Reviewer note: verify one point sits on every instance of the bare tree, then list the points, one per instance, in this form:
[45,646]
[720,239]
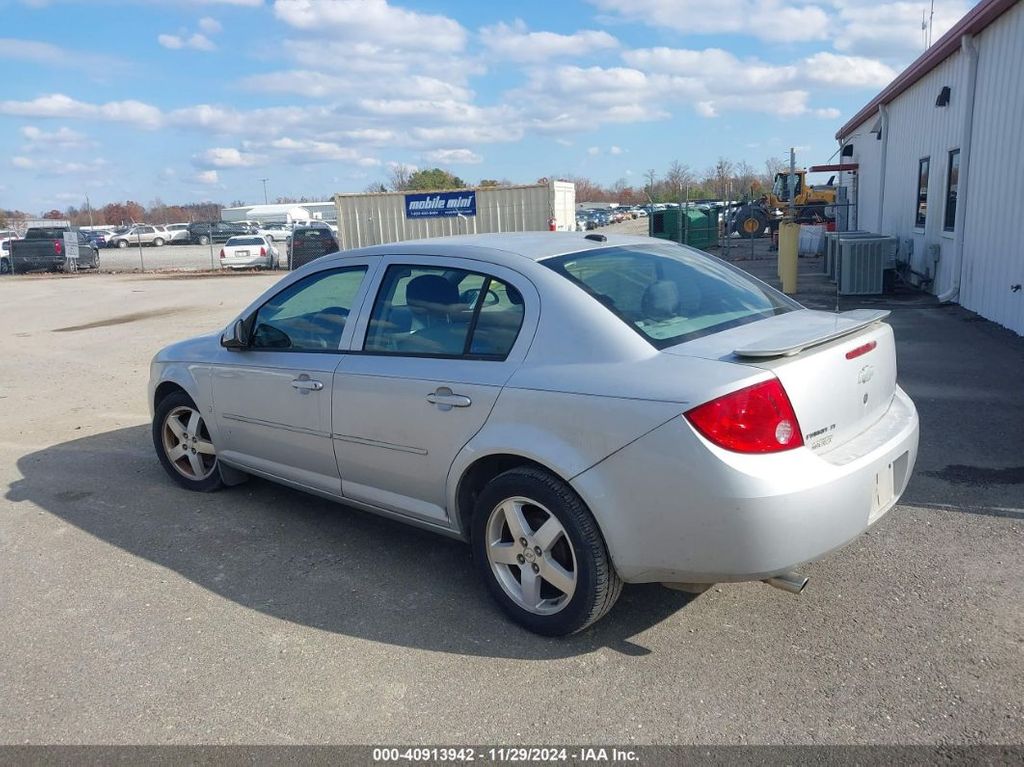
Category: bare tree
[651,177]
[398,179]
[677,179]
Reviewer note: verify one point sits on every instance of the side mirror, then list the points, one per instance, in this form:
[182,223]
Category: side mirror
[235,338]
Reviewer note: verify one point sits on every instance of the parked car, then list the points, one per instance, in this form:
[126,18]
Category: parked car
[275,231]
[7,236]
[177,234]
[201,233]
[97,238]
[585,410]
[139,234]
[309,242]
[43,250]
[250,251]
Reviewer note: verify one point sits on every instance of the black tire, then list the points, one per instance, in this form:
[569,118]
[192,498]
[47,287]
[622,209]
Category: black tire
[749,222]
[164,409]
[5,266]
[204,240]
[597,584]
[158,242]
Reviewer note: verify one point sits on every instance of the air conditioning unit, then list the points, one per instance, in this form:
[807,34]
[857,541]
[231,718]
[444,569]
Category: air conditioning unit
[832,240]
[861,264]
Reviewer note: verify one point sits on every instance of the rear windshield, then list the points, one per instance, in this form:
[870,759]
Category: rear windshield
[246,241]
[45,233]
[670,294]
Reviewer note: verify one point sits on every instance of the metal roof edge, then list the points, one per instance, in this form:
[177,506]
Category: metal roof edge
[973,22]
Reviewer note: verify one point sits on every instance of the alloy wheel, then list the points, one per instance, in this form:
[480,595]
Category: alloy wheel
[531,555]
[187,444]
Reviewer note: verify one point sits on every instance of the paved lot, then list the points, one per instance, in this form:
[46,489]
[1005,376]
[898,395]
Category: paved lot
[134,612]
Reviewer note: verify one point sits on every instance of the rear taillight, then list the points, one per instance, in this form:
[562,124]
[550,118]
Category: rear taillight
[263,252]
[58,247]
[222,252]
[757,419]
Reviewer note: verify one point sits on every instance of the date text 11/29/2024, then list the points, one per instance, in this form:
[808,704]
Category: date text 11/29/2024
[503,754]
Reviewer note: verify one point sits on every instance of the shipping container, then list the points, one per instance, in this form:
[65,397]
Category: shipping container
[375,219]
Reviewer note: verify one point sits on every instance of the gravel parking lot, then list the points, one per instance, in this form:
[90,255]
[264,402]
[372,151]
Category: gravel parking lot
[135,612]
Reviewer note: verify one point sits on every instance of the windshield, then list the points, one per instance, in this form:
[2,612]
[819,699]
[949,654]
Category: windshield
[670,294]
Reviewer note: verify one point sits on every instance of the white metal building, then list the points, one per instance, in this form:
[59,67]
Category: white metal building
[940,155]
[284,212]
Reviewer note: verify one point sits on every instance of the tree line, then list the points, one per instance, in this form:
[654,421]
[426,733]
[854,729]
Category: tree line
[723,180]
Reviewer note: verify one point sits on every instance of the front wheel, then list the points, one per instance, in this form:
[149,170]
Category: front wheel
[204,240]
[122,243]
[183,444]
[157,242]
[541,553]
[5,266]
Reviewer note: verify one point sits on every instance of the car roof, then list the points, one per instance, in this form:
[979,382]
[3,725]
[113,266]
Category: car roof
[502,247]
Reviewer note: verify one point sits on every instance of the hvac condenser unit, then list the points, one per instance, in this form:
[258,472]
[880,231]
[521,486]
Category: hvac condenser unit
[832,248]
[861,264]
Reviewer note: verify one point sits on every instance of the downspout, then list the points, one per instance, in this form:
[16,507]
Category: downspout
[970,50]
[883,114]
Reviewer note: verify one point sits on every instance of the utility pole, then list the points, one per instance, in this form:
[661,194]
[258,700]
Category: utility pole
[265,180]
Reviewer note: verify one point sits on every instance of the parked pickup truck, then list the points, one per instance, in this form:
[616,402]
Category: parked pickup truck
[43,250]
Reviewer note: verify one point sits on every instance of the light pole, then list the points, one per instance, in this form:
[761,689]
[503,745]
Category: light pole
[265,180]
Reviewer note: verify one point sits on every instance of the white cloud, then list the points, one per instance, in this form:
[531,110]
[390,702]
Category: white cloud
[828,113]
[614,150]
[209,25]
[848,71]
[62,138]
[226,157]
[387,26]
[197,42]
[24,163]
[320,85]
[891,30]
[769,20]
[593,151]
[173,42]
[453,157]
[517,43]
[307,151]
[58,105]
[208,177]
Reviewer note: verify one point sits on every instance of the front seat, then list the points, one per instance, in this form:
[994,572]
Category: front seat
[438,316]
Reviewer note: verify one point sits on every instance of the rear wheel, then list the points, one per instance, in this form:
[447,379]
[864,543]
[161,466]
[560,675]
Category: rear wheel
[749,222]
[122,243]
[5,266]
[183,444]
[541,553]
[158,242]
[203,239]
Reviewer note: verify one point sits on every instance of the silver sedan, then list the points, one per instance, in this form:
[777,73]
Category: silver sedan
[584,410]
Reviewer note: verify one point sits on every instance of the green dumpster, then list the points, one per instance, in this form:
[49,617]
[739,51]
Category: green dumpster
[697,227]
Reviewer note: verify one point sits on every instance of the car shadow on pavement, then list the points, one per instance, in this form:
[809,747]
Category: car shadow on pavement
[301,558]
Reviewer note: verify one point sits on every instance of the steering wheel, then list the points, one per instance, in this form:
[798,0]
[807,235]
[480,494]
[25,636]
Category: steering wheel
[470,296]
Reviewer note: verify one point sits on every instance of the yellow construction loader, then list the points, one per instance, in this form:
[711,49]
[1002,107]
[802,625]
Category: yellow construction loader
[811,205]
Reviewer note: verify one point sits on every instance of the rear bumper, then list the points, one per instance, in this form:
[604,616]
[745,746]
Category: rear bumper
[673,507]
[245,263]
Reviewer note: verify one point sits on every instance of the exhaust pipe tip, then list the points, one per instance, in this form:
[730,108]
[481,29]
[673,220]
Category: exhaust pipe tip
[792,582]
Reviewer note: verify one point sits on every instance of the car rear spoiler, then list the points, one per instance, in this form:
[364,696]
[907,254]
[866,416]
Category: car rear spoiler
[818,330]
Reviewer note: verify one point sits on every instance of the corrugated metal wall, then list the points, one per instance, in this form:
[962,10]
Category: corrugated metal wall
[993,242]
[375,219]
[992,258]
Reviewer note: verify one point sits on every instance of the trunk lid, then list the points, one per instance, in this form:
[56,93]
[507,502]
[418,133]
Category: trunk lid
[839,370]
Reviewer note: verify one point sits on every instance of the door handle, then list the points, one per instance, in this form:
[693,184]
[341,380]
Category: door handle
[446,399]
[306,384]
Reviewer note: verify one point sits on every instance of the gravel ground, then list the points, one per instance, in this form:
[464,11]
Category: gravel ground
[134,612]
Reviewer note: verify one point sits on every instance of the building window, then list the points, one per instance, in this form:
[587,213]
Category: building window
[922,193]
[952,183]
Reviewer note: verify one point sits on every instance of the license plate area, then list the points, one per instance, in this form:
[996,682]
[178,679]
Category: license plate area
[242,253]
[882,493]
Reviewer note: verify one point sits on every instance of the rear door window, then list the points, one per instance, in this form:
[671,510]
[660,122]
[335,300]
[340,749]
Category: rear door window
[670,294]
[441,312]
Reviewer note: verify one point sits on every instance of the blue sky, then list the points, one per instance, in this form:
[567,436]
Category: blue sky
[189,100]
